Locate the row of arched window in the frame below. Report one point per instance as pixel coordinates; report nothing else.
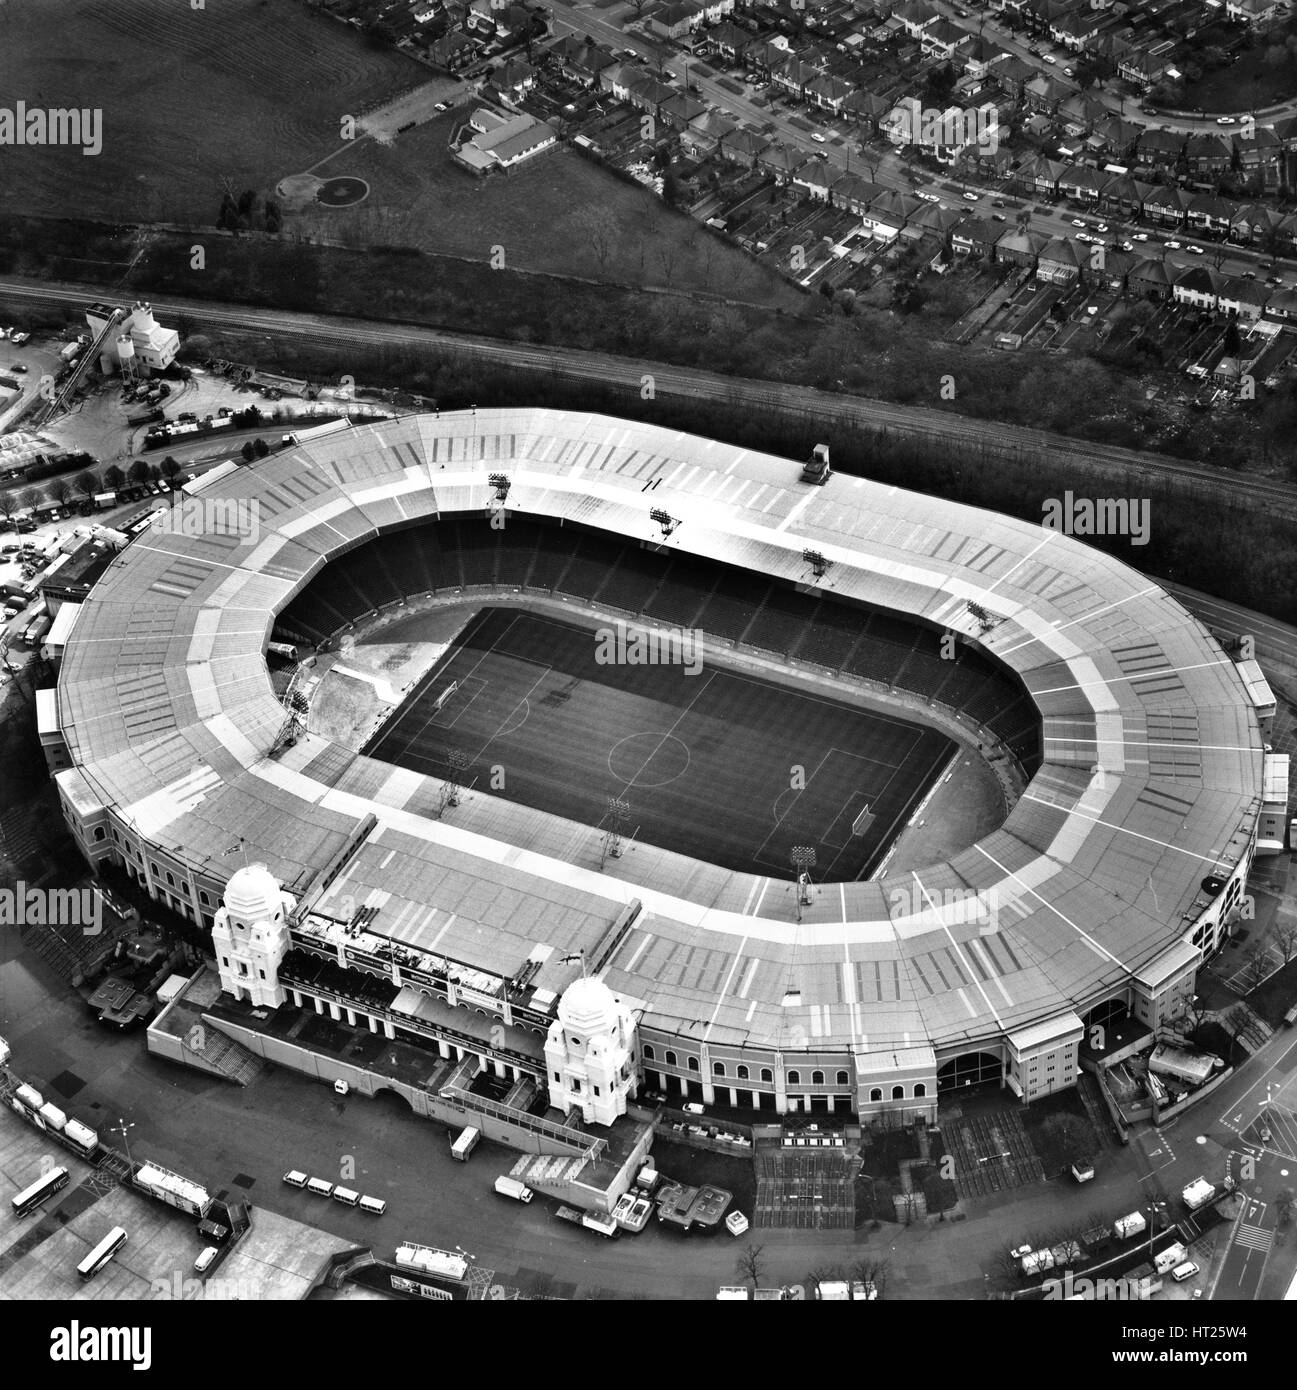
(742, 1073)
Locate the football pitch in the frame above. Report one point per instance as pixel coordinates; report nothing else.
(716, 765)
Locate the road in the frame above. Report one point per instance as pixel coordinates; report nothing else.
(1129, 469)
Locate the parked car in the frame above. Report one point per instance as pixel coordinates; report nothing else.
(1140, 236)
(817, 137)
(1226, 120)
(1171, 245)
(17, 367)
(1184, 1271)
(1076, 222)
(971, 197)
(1102, 227)
(1194, 250)
(1048, 58)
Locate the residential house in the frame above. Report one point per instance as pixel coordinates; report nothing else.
(1012, 77)
(514, 79)
(581, 61)
(866, 108)
(742, 147)
(765, 59)
(981, 56)
(1114, 137)
(1245, 298)
(1039, 176)
(1125, 195)
(1045, 95)
(646, 93)
(730, 41)
(975, 237)
(854, 194)
(814, 179)
(453, 50)
(1076, 31)
(1169, 206)
(1209, 215)
(1252, 13)
(781, 161)
(889, 213)
(1254, 223)
(681, 110)
(934, 223)
(1261, 155)
(828, 93)
(1198, 286)
(1061, 260)
(1142, 68)
(1081, 113)
(940, 40)
(1207, 155)
(1020, 247)
(1282, 307)
(675, 19)
(794, 76)
(707, 134)
(1083, 183)
(915, 16)
(985, 162)
(1111, 274)
(1159, 149)
(1150, 279)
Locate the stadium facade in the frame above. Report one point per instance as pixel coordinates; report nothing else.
(1116, 873)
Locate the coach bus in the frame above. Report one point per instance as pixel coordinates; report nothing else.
(102, 1253)
(40, 1191)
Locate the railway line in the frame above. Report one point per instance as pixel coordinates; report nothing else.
(1129, 468)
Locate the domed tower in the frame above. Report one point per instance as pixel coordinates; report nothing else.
(250, 934)
(590, 1053)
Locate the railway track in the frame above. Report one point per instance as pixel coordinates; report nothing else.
(1128, 467)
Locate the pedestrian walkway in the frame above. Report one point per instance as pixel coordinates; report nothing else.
(1254, 1237)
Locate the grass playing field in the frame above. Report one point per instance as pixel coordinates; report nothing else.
(716, 765)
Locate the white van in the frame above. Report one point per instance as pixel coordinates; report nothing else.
(203, 1263)
(319, 1188)
(346, 1196)
(375, 1206)
(295, 1178)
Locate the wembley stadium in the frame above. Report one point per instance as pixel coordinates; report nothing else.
(718, 846)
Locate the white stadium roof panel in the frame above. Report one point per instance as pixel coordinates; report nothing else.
(168, 712)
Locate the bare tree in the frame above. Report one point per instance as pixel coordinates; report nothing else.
(1258, 961)
(872, 1274)
(30, 498)
(59, 490)
(749, 1266)
(600, 229)
(667, 253)
(86, 483)
(1285, 937)
(8, 506)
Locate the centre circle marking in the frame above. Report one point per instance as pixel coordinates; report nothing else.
(648, 760)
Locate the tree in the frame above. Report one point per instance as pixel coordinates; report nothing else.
(87, 484)
(1070, 1139)
(260, 447)
(248, 452)
(1285, 938)
(1232, 340)
(8, 506)
(59, 490)
(1258, 964)
(114, 477)
(600, 228)
(169, 470)
(749, 1266)
(871, 1273)
(30, 498)
(139, 471)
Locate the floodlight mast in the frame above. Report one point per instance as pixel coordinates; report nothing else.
(802, 858)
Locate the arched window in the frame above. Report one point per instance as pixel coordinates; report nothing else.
(817, 1078)
(920, 1090)
(693, 1063)
(718, 1068)
(842, 1079)
(767, 1074)
(794, 1078)
(876, 1093)
(898, 1092)
(671, 1059)
(648, 1052)
(742, 1073)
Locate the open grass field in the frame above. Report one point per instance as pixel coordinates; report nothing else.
(1247, 85)
(708, 762)
(254, 91)
(248, 89)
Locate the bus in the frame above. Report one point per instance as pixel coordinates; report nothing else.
(102, 1253)
(40, 1191)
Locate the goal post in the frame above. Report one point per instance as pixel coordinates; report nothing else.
(862, 821)
(445, 695)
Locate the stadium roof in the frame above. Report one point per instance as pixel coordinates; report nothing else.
(1152, 756)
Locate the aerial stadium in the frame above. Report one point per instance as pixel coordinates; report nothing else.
(515, 831)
